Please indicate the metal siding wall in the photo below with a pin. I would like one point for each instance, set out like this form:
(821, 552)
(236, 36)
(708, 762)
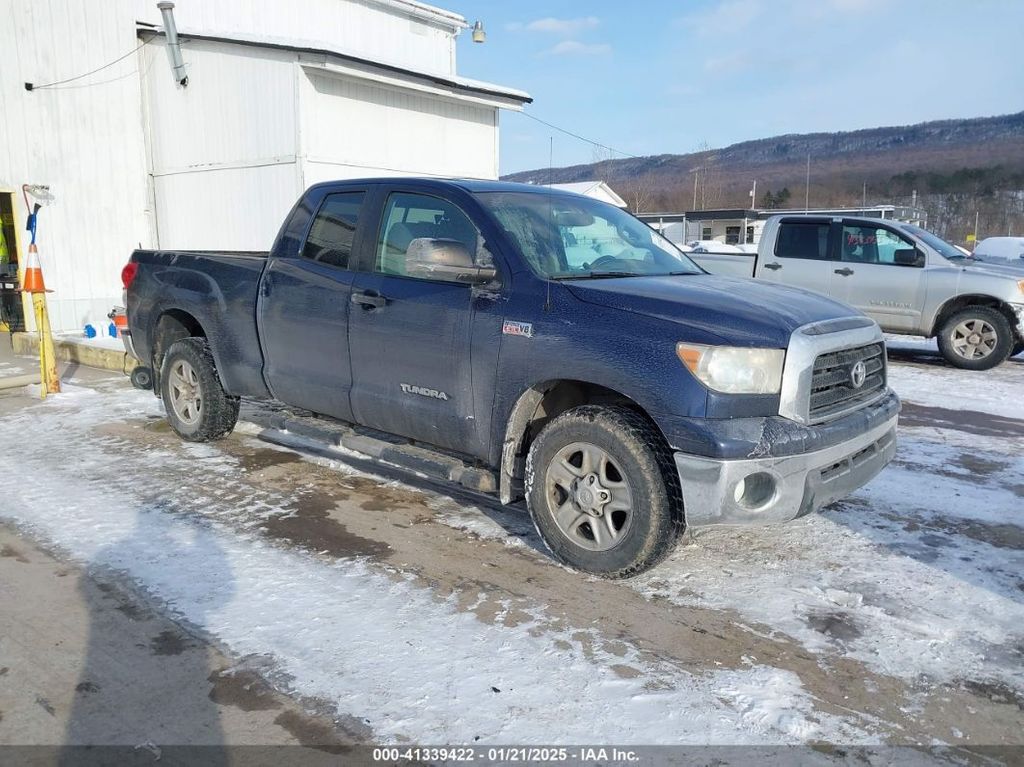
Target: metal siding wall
(85, 140)
(358, 126)
(241, 96)
(223, 147)
(235, 209)
(358, 27)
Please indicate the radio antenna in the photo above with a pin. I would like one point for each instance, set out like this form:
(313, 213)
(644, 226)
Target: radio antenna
(551, 191)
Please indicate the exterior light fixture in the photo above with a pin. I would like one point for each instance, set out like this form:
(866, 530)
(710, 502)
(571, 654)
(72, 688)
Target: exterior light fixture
(479, 36)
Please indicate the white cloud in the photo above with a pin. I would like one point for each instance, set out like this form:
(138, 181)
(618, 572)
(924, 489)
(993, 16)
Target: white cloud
(725, 19)
(562, 27)
(576, 48)
(727, 65)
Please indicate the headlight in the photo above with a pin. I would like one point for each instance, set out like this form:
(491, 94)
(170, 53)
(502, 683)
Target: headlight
(733, 370)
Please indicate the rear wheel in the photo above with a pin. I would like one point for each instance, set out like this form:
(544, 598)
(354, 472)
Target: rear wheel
(198, 409)
(976, 338)
(602, 491)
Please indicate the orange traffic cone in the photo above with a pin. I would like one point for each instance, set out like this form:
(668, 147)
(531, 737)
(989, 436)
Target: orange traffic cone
(33, 282)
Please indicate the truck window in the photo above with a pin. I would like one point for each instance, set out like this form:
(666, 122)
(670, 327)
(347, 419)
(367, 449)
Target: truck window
(874, 245)
(333, 230)
(409, 217)
(802, 240)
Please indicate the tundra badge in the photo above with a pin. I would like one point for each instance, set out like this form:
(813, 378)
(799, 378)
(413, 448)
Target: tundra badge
(424, 392)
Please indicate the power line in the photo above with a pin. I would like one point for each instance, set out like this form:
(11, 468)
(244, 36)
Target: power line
(581, 138)
(31, 87)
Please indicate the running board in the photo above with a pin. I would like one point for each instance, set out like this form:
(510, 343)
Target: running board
(282, 425)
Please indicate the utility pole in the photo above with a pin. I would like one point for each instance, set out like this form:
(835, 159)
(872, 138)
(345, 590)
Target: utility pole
(864, 199)
(807, 185)
(975, 245)
(753, 195)
(695, 172)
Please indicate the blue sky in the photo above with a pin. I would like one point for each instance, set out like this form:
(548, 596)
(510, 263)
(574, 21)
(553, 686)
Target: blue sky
(654, 76)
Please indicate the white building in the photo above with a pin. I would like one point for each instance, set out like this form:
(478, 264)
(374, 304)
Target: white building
(279, 95)
(599, 190)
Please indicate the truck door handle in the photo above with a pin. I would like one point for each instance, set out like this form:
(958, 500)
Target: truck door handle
(773, 265)
(369, 300)
(845, 271)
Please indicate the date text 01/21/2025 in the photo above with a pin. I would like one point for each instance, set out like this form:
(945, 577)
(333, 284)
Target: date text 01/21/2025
(504, 754)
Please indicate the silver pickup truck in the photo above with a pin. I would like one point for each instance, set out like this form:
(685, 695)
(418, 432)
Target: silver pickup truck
(905, 278)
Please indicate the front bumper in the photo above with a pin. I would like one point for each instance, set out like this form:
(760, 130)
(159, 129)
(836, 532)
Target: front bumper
(769, 489)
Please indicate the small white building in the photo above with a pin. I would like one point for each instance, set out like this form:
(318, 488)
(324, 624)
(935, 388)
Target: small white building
(599, 190)
(279, 96)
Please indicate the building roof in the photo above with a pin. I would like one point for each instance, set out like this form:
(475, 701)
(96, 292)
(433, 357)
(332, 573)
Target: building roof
(455, 82)
(597, 189)
(719, 214)
(424, 10)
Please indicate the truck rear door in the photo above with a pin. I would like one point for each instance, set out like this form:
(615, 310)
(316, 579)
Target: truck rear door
(304, 306)
(801, 255)
(410, 337)
(881, 273)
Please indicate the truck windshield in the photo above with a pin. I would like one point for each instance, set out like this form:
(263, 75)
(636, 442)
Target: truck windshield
(936, 243)
(570, 237)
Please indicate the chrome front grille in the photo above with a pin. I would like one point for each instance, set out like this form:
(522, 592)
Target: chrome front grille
(833, 383)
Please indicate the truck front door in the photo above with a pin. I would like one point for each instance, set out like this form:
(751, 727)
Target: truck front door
(410, 337)
(801, 256)
(881, 273)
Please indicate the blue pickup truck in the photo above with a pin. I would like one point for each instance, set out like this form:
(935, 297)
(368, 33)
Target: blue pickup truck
(619, 388)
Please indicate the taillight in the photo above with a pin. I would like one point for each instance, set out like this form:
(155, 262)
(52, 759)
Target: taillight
(128, 274)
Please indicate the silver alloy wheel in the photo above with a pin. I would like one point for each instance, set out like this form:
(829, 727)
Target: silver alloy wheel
(974, 339)
(186, 393)
(588, 496)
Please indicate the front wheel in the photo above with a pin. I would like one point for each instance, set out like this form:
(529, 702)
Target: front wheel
(603, 492)
(197, 407)
(976, 338)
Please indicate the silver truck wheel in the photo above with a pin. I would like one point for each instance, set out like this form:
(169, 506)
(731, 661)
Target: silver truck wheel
(603, 491)
(186, 392)
(592, 501)
(976, 338)
(198, 408)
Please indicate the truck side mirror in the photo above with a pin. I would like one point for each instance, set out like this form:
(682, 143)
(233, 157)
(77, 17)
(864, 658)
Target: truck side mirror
(447, 260)
(908, 257)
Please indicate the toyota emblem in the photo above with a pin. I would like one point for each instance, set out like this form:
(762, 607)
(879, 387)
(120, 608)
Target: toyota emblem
(858, 374)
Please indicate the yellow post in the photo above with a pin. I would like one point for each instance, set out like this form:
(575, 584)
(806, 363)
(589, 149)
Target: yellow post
(50, 381)
(33, 283)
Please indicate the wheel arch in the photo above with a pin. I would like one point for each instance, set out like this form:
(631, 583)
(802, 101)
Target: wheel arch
(170, 326)
(538, 405)
(957, 303)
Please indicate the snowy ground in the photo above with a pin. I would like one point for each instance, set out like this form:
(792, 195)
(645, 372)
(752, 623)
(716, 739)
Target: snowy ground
(894, 616)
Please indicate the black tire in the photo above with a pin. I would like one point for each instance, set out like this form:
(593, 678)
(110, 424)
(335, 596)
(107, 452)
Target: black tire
(142, 378)
(635, 444)
(215, 413)
(993, 318)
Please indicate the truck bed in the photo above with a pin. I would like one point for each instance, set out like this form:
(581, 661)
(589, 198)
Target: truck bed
(727, 264)
(218, 288)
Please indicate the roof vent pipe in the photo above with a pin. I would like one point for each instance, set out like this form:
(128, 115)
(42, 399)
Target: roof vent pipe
(173, 47)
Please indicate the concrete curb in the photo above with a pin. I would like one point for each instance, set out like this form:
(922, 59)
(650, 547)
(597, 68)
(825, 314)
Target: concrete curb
(92, 356)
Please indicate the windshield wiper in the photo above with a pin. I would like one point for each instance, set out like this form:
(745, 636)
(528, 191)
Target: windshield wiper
(595, 275)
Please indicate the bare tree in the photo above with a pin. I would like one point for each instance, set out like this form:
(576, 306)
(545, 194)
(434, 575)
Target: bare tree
(638, 192)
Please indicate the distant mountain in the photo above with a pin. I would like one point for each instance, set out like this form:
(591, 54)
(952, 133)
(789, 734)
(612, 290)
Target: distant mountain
(978, 156)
